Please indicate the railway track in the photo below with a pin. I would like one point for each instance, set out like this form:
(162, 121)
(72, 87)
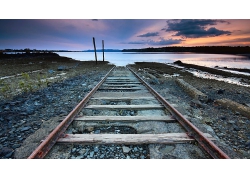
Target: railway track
(123, 112)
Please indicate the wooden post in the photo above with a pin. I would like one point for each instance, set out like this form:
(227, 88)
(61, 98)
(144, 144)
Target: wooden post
(95, 50)
(103, 50)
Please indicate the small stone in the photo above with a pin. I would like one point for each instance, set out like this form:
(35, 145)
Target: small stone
(167, 149)
(90, 86)
(117, 131)
(237, 113)
(9, 155)
(63, 112)
(125, 149)
(137, 154)
(247, 144)
(16, 146)
(86, 152)
(73, 150)
(221, 91)
(25, 128)
(223, 118)
(7, 152)
(97, 131)
(20, 138)
(91, 154)
(104, 102)
(79, 157)
(208, 121)
(50, 71)
(90, 128)
(196, 103)
(74, 131)
(220, 134)
(102, 156)
(142, 157)
(154, 81)
(132, 156)
(82, 151)
(231, 122)
(96, 149)
(61, 68)
(61, 157)
(30, 110)
(7, 108)
(236, 128)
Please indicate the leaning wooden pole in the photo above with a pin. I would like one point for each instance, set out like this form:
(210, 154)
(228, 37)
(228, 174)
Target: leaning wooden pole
(103, 50)
(95, 50)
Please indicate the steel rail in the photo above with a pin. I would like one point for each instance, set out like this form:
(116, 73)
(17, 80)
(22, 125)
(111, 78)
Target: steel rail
(49, 142)
(213, 150)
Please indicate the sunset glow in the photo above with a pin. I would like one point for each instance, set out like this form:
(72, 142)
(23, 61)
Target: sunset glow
(76, 34)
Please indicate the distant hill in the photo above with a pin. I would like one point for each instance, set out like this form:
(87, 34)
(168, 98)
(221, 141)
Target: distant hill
(105, 50)
(197, 49)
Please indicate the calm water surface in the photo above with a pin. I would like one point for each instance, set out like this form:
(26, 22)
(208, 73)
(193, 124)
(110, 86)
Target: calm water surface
(122, 59)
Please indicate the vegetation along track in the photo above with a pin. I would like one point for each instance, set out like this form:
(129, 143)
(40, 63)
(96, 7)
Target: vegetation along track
(123, 117)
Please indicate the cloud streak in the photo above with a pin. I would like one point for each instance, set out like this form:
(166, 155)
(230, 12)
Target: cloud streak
(161, 42)
(188, 28)
(150, 34)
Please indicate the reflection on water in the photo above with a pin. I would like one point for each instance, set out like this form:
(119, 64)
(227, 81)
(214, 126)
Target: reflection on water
(206, 75)
(122, 59)
(235, 72)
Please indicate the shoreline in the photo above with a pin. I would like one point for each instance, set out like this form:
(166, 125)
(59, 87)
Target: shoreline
(215, 70)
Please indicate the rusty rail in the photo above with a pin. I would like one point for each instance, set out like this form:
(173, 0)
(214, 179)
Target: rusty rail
(49, 142)
(213, 150)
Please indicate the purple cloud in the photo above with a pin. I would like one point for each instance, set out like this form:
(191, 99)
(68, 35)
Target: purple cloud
(195, 28)
(150, 34)
(161, 42)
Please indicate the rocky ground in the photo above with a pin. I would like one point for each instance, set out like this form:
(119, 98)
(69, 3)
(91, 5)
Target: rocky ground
(23, 114)
(230, 127)
(39, 110)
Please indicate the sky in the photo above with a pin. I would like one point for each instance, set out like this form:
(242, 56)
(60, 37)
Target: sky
(77, 34)
(142, 26)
